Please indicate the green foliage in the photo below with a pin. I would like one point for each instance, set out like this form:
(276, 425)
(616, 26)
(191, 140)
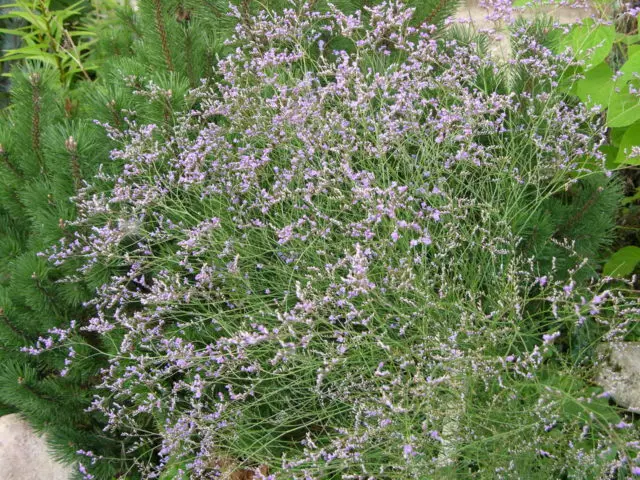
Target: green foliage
(597, 85)
(590, 42)
(623, 262)
(623, 108)
(630, 139)
(561, 215)
(145, 63)
(585, 212)
(50, 37)
(610, 53)
(47, 151)
(593, 44)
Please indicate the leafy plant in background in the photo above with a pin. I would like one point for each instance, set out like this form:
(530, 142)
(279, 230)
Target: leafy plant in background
(358, 262)
(49, 146)
(6, 42)
(610, 52)
(52, 37)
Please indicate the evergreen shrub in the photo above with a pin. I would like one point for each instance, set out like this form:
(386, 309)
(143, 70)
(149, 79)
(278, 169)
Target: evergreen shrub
(50, 145)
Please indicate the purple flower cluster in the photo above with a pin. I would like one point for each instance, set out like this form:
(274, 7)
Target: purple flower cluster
(317, 270)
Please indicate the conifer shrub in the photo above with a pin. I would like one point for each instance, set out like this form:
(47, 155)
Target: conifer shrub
(50, 145)
(365, 250)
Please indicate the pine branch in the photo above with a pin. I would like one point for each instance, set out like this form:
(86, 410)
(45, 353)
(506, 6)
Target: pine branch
(36, 98)
(114, 113)
(5, 159)
(69, 107)
(437, 10)
(25, 385)
(188, 51)
(585, 208)
(160, 26)
(9, 323)
(53, 304)
(72, 147)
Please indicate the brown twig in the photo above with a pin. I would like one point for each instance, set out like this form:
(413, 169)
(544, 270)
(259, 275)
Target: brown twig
(72, 147)
(36, 98)
(436, 11)
(163, 33)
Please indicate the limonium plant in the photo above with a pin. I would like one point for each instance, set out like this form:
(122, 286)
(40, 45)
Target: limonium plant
(335, 264)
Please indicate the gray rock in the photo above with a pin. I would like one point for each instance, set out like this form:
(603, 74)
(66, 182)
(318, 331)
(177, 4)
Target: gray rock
(24, 454)
(619, 373)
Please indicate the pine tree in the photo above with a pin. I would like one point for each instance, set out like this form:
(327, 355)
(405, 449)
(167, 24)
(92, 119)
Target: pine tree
(49, 146)
(47, 151)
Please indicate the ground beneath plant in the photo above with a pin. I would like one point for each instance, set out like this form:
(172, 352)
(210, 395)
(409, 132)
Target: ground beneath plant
(24, 454)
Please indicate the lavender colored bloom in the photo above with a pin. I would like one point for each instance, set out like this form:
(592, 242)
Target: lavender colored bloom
(268, 295)
(408, 451)
(550, 338)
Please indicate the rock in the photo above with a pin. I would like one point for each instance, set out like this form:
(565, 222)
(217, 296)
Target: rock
(619, 373)
(24, 454)
(500, 48)
(228, 468)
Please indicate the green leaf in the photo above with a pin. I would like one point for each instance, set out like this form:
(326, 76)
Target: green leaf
(627, 39)
(624, 109)
(630, 68)
(80, 33)
(597, 86)
(18, 32)
(630, 139)
(611, 154)
(590, 43)
(616, 134)
(623, 262)
(30, 17)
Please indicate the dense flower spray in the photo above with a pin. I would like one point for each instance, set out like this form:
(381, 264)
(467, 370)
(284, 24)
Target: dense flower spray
(325, 268)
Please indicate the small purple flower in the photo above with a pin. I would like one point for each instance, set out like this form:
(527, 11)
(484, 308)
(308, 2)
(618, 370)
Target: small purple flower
(569, 288)
(549, 339)
(622, 425)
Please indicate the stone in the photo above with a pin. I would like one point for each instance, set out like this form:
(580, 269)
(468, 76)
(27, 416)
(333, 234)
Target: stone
(24, 455)
(470, 12)
(228, 468)
(619, 373)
